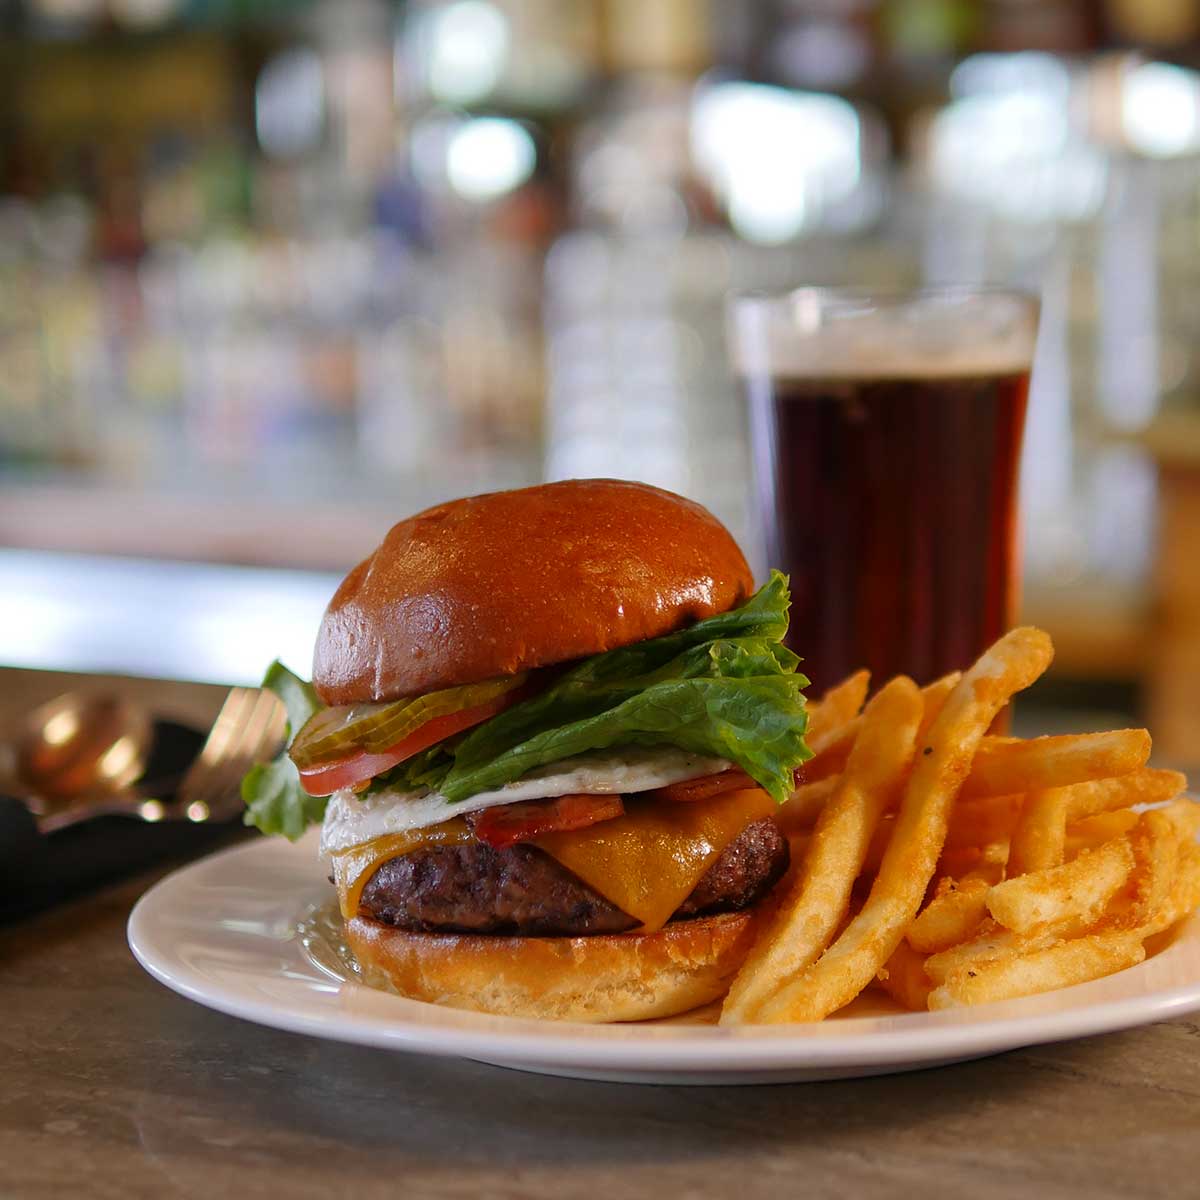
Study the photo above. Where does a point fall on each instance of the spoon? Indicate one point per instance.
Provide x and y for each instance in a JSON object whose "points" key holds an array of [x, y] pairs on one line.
{"points": [[79, 744]]}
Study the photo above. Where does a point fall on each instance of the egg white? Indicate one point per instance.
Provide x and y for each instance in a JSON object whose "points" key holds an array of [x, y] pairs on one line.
{"points": [[351, 820]]}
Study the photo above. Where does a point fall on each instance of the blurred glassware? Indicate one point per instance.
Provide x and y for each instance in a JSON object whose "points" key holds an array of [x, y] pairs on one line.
{"points": [[886, 434]]}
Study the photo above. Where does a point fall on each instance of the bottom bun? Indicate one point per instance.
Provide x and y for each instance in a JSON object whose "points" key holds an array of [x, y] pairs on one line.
{"points": [[614, 977]]}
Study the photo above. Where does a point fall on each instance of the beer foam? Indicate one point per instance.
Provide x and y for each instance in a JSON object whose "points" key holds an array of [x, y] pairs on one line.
{"points": [[815, 334]]}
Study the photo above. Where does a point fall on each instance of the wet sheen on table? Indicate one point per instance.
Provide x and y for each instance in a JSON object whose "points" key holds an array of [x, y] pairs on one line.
{"points": [[115, 1087]]}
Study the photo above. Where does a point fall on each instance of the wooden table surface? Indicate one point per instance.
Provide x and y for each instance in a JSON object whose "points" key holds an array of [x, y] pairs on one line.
{"points": [[115, 1087]]}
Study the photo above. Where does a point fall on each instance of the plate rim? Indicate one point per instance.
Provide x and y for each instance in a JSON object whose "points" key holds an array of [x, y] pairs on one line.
{"points": [[684, 1048]]}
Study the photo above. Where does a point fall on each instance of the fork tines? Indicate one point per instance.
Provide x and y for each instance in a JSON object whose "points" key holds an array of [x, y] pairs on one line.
{"points": [[248, 728]]}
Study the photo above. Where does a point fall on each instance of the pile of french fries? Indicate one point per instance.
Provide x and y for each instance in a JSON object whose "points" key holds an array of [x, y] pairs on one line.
{"points": [[950, 867]]}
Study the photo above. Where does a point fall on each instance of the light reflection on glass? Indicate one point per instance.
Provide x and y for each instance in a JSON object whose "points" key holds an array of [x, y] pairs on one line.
{"points": [[778, 159], [1160, 109], [489, 156], [467, 49]]}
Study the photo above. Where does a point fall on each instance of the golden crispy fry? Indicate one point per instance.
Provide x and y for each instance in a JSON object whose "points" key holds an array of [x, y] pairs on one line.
{"points": [[1184, 814], [1039, 839], [830, 755], [835, 709], [951, 917], [1165, 884], [903, 978], [1076, 891], [1005, 765], [935, 695], [1063, 965], [979, 822], [804, 805], [808, 918], [1095, 831], [1155, 841], [1144, 786], [990, 770], [1185, 892], [991, 944], [942, 763]]}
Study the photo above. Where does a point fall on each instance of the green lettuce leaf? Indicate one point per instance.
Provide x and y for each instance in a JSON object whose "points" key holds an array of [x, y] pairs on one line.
{"points": [[743, 643], [275, 801], [756, 722], [725, 687]]}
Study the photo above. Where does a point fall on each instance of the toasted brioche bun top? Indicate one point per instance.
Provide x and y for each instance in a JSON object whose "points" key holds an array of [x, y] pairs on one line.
{"points": [[496, 584]]}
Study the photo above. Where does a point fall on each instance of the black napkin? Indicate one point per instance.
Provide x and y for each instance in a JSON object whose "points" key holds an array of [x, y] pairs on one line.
{"points": [[40, 870]]}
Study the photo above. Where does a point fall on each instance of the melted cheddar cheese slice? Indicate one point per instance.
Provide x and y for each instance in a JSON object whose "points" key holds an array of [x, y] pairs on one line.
{"points": [[646, 862]]}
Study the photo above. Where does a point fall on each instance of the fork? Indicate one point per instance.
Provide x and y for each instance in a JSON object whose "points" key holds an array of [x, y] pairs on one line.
{"points": [[248, 729]]}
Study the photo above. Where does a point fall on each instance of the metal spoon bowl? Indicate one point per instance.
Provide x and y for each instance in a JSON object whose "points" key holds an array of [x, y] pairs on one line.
{"points": [[80, 744]]}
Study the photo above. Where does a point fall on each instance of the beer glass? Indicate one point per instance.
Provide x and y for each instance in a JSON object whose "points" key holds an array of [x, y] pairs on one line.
{"points": [[886, 439]]}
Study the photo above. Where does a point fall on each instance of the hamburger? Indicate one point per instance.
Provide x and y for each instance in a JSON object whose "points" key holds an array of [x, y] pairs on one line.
{"points": [[545, 738]]}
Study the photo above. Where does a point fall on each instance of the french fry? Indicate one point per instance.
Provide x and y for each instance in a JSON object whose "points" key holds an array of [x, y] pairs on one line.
{"points": [[951, 917], [1165, 884], [991, 943], [935, 695], [836, 709], [1184, 814], [1074, 892], [978, 822], [942, 763], [1091, 832], [1068, 963], [1145, 786], [1059, 855], [1155, 841], [990, 769], [829, 755], [1005, 765], [903, 978], [809, 917], [1185, 892], [804, 805], [1039, 839]]}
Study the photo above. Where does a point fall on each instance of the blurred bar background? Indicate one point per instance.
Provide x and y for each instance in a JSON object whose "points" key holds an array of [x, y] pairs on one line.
{"points": [[274, 274]]}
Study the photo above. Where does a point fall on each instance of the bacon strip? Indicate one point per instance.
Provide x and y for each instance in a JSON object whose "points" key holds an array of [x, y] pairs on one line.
{"points": [[507, 824], [705, 787]]}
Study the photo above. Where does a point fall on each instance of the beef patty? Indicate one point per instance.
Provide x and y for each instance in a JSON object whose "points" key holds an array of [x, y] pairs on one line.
{"points": [[472, 888]]}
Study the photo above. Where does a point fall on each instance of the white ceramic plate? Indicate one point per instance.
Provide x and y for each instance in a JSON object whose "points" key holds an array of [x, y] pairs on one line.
{"points": [[242, 932]]}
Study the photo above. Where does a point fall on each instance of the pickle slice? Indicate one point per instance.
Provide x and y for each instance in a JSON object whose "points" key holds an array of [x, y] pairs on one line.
{"points": [[333, 733]]}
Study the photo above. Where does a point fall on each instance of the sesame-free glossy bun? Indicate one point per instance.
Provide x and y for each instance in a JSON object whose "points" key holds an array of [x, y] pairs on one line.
{"points": [[496, 584], [611, 977]]}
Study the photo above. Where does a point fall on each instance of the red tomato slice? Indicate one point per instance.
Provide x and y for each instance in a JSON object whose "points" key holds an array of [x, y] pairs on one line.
{"points": [[507, 824], [326, 778], [705, 787]]}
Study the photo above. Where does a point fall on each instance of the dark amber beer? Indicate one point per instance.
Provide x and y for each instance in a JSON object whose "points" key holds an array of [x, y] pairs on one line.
{"points": [[886, 437]]}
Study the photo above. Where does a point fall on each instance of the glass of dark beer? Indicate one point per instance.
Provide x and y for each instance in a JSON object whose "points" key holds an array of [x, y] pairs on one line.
{"points": [[886, 438]]}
